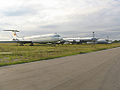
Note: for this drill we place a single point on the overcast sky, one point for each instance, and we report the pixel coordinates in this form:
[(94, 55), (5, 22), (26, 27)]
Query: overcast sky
[(66, 17)]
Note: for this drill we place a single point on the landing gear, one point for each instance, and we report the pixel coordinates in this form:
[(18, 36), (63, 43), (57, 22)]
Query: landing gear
[(31, 44), (21, 44), (54, 45)]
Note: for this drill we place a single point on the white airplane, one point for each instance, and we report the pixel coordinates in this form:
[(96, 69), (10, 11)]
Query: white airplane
[(103, 41), (79, 40), (42, 39)]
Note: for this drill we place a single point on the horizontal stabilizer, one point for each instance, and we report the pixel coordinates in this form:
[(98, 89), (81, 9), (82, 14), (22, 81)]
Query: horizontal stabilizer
[(12, 30)]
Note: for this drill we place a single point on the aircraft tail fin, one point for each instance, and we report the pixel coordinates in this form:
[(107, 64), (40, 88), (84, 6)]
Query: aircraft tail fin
[(14, 35)]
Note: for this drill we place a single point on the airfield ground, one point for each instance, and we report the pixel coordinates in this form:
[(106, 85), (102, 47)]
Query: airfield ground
[(13, 54)]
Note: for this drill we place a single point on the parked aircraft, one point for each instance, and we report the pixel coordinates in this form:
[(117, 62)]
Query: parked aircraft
[(42, 39), (103, 41), (47, 38), (79, 40)]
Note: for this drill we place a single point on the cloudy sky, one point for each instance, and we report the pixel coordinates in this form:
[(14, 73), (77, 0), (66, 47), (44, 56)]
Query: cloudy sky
[(69, 18)]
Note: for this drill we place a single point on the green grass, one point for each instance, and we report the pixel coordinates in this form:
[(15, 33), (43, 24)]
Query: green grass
[(13, 54)]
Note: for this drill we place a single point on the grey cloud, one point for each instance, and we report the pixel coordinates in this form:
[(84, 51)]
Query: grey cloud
[(104, 22), (103, 19), (117, 0), (50, 26), (19, 11)]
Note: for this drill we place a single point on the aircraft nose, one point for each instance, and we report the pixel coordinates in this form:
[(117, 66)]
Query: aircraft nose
[(60, 38)]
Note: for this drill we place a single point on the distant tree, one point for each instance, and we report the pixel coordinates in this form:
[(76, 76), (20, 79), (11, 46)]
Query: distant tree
[(116, 41)]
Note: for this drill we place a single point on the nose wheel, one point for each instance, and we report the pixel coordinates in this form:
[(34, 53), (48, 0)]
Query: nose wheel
[(21, 44)]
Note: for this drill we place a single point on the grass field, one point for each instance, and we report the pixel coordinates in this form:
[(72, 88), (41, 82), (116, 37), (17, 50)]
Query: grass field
[(13, 54)]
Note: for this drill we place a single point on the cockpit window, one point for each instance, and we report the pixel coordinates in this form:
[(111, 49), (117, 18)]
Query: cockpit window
[(57, 36)]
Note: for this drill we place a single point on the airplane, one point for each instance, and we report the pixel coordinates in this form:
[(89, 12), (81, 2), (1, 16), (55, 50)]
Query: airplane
[(103, 41), (79, 40), (41, 39)]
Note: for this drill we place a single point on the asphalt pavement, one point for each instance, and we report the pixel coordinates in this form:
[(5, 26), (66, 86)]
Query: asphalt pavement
[(92, 71)]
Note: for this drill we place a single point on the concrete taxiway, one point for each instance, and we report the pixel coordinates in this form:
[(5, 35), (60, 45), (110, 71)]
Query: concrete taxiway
[(92, 71)]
